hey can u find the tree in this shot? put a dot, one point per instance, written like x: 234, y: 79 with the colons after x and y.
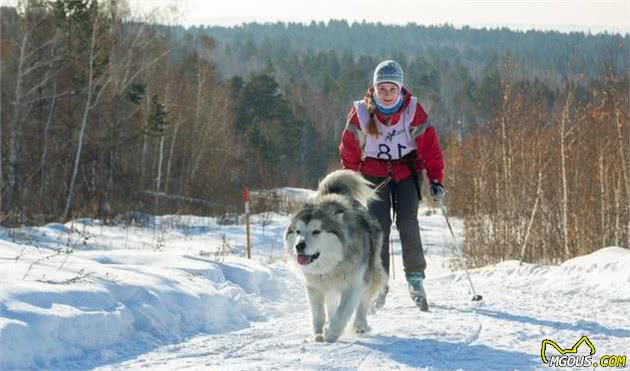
x: 270, y: 130
x: 156, y: 127
x: 86, y: 13
x: 33, y: 66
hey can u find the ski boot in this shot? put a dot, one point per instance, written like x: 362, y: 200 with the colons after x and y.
x: 416, y: 291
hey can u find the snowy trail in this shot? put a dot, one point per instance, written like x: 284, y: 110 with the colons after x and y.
x: 522, y: 305
x: 128, y: 300
x: 402, y: 338
x: 497, y: 335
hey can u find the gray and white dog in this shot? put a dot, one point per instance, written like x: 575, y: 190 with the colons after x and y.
x: 335, y: 243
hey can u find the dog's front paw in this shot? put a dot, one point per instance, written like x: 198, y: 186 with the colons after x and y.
x: 315, y: 338
x: 331, y: 335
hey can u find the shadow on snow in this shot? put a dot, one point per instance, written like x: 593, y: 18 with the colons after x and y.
x: 448, y: 355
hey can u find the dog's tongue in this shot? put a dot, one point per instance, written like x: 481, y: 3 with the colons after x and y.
x: 304, y: 259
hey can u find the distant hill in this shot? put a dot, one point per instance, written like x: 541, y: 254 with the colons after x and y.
x: 538, y: 54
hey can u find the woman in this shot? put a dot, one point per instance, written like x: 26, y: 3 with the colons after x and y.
x: 389, y: 139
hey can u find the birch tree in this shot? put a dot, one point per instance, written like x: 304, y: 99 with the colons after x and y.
x: 29, y: 65
x: 564, y: 132
x: 96, y: 84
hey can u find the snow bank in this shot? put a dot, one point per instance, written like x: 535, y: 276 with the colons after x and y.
x: 105, y: 304
x: 605, y: 273
x: 126, y: 291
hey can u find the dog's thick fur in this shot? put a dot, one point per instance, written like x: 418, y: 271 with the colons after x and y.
x: 335, y: 243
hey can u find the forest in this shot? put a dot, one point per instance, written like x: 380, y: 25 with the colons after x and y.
x: 103, y: 113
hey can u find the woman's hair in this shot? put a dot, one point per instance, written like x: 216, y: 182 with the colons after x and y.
x: 372, y: 129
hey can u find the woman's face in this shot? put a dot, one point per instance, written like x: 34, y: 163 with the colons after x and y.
x: 387, y: 93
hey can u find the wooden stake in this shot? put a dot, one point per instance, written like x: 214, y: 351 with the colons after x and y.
x: 249, y: 248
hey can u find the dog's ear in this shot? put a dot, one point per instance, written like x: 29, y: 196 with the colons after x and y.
x: 289, y: 231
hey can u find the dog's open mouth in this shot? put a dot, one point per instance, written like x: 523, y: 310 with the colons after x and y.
x: 306, y: 259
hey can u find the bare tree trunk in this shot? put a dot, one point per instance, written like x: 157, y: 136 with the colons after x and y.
x: 84, y: 121
x: 170, y: 153
x: 143, y: 161
x: 483, y: 155
x: 42, y: 166
x: 195, y: 126
x: 506, y: 218
x: 618, y: 211
x: 24, y: 68
x: 624, y: 167
x: 533, y: 214
x: 109, y: 190
x: 113, y: 145
x: 158, y: 179
x: 563, y: 168
x: 12, y: 163
x: 602, y: 196
x: 218, y: 139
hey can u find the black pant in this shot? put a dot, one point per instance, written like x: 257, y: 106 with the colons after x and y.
x: 403, y: 199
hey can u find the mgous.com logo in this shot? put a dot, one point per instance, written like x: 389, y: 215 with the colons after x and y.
x: 570, y: 358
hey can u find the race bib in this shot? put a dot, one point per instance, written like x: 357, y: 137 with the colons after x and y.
x: 393, y: 141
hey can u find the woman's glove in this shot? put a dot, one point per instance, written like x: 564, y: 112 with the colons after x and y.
x: 438, y: 192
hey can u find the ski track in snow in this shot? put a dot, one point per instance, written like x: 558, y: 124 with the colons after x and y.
x: 522, y: 305
x: 502, y: 332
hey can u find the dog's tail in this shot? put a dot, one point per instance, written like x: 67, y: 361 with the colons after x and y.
x: 347, y: 183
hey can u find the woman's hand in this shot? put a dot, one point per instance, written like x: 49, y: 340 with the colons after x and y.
x: 438, y: 192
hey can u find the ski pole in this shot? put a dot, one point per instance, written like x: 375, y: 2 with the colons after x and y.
x: 476, y: 297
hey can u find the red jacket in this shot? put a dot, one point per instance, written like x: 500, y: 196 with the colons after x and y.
x: 428, y: 146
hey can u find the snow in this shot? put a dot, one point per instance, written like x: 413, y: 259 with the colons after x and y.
x: 296, y: 194
x: 176, y: 292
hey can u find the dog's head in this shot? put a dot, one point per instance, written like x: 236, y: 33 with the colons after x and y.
x: 314, y: 241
